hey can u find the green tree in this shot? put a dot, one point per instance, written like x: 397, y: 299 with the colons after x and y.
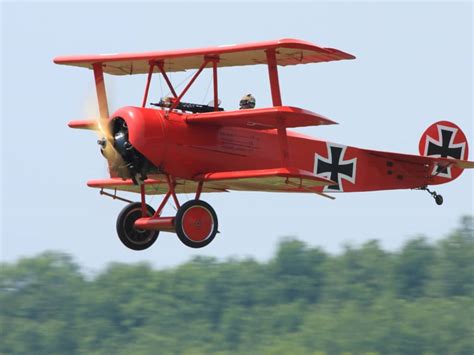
x: 39, y: 298
x: 359, y: 274
x: 298, y: 271
x: 303, y: 301
x: 454, y: 270
x: 414, y: 268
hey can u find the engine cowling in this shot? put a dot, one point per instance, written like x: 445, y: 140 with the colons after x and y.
x: 134, y: 146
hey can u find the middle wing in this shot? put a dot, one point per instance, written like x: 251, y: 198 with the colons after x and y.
x: 261, y: 118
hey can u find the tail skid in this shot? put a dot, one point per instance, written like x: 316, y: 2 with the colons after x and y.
x: 437, y: 197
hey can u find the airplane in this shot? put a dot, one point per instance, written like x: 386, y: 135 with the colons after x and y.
x: 173, y: 147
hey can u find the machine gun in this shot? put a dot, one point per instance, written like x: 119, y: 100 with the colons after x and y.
x: 186, y: 106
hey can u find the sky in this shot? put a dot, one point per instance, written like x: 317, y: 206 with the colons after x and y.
x: 413, y: 68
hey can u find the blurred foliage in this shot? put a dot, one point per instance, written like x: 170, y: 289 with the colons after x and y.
x: 418, y: 300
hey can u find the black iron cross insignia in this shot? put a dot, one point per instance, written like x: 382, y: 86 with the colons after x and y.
x: 335, y: 167
x: 444, y: 148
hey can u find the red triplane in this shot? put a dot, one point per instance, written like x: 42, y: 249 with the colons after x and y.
x: 179, y: 147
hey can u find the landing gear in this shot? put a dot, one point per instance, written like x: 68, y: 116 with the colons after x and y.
x: 131, y: 237
x: 196, y: 223
x: 438, y: 198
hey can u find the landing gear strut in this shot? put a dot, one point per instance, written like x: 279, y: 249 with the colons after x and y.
x: 438, y: 198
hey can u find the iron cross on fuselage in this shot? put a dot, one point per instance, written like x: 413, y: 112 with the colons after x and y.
x: 335, y: 167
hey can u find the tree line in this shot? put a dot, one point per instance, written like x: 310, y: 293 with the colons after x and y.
x: 365, y: 300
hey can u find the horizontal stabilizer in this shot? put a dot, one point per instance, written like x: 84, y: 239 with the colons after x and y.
x: 425, y: 160
x: 261, y: 118
x: 463, y: 164
x: 430, y: 165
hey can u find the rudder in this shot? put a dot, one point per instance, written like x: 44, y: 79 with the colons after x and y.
x: 445, y: 139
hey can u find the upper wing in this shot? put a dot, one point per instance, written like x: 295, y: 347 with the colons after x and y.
x: 262, y: 118
x: 288, y: 52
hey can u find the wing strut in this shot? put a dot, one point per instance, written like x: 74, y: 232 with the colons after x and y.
x: 185, y: 90
x: 273, y: 73
x: 100, y: 88
x: 215, y: 87
x: 276, y: 99
x: 148, y: 81
x: 165, y: 76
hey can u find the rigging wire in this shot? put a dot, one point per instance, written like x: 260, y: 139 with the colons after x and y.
x: 161, y: 85
x: 180, y: 83
x: 207, y: 90
x: 186, y: 78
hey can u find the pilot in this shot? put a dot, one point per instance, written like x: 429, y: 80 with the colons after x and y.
x: 248, y: 101
x: 166, y: 101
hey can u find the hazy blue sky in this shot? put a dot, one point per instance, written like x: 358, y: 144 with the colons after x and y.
x: 413, y: 67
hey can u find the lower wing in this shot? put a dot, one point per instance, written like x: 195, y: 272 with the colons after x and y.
x: 266, y: 180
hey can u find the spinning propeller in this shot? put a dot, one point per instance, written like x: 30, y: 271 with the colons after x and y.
x: 106, y: 138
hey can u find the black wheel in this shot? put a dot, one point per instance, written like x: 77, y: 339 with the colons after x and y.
x: 439, y: 200
x: 131, y: 237
x: 196, y: 223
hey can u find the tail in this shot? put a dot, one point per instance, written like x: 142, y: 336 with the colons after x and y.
x: 445, y: 139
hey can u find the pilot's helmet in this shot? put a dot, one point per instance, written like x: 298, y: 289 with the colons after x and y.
x: 248, y: 101
x: 166, y: 101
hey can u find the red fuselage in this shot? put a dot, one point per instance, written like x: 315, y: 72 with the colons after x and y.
x: 184, y: 150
